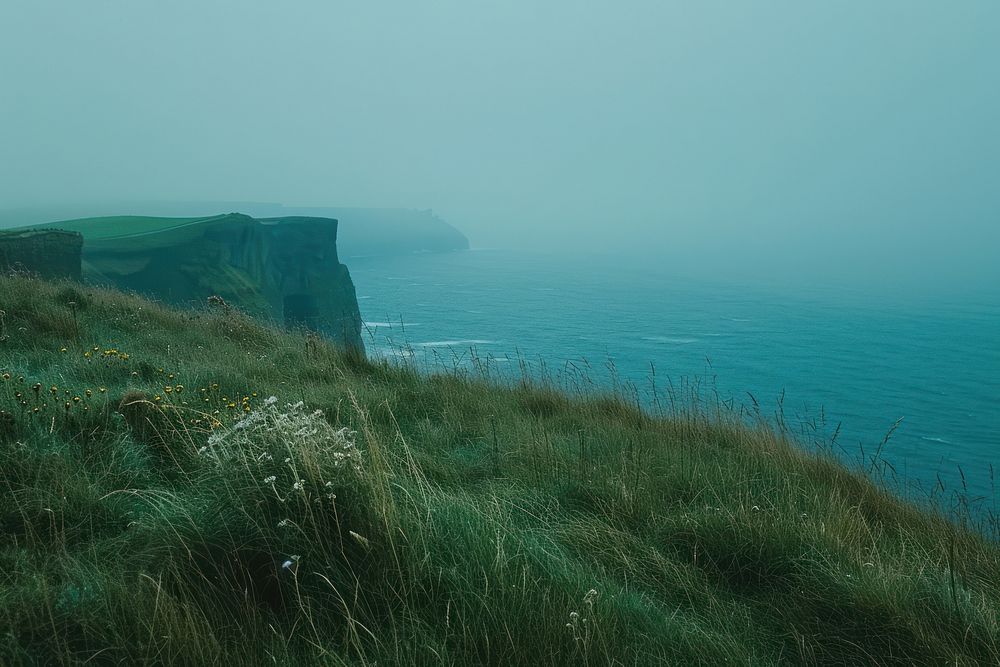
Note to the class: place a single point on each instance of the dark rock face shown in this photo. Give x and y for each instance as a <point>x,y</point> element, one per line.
<point>48,253</point>
<point>283,269</point>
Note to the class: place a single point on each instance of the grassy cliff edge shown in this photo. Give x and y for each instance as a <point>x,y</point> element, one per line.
<point>159,506</point>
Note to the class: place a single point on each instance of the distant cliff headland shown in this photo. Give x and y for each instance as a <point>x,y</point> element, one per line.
<point>285,269</point>
<point>363,232</point>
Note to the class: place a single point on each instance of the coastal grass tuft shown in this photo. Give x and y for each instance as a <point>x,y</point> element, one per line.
<point>192,487</point>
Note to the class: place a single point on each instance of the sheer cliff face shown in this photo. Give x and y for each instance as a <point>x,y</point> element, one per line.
<point>284,269</point>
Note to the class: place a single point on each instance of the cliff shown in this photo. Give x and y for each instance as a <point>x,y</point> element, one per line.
<point>362,231</point>
<point>48,253</point>
<point>285,269</point>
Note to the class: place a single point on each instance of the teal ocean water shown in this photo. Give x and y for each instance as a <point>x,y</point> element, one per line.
<point>823,358</point>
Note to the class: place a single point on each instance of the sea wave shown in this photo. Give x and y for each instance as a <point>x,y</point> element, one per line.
<point>390,324</point>
<point>456,343</point>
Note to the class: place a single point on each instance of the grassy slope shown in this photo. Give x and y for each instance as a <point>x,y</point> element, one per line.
<point>480,521</point>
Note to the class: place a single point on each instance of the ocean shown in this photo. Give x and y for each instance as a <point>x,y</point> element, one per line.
<point>825,361</point>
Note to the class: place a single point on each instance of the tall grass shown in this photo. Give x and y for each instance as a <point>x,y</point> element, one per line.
<point>450,518</point>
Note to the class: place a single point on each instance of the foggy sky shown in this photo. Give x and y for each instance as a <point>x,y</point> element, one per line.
<point>775,138</point>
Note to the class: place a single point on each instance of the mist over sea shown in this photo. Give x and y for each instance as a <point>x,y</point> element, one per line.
<point>854,358</point>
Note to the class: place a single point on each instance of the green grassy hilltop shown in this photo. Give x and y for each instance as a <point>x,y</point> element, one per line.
<point>158,506</point>
<point>113,228</point>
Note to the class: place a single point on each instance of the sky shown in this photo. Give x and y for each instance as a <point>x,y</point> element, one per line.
<point>840,141</point>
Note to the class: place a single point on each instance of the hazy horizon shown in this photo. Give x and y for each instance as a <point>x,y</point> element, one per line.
<point>847,143</point>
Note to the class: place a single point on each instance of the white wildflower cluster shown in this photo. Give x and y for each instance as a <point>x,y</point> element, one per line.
<point>346,453</point>
<point>288,447</point>
<point>252,418</point>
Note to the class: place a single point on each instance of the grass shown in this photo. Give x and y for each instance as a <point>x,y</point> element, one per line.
<point>156,507</point>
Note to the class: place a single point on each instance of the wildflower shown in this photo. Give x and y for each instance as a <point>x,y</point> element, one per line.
<point>168,389</point>
<point>157,398</point>
<point>202,450</point>
<point>270,479</point>
<point>62,349</point>
<point>88,393</point>
<point>86,355</point>
<point>284,523</point>
<point>298,486</point>
<point>6,377</point>
<point>103,390</point>
<point>179,388</point>
<point>54,389</point>
<point>268,402</point>
<point>76,399</point>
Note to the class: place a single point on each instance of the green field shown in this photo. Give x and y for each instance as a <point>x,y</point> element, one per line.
<point>120,226</point>
<point>131,234</point>
<point>157,508</point>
